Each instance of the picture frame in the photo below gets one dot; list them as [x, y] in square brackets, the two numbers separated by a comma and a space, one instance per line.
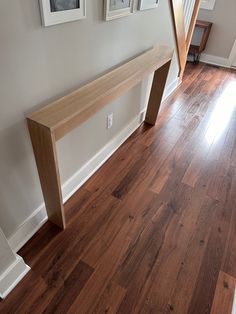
[207, 4]
[62, 11]
[148, 4]
[114, 9]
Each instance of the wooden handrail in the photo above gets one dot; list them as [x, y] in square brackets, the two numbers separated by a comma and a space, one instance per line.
[192, 23]
[55, 120]
[177, 10]
[183, 40]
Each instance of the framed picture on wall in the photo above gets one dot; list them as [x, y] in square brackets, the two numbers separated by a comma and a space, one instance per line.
[148, 4]
[117, 8]
[62, 11]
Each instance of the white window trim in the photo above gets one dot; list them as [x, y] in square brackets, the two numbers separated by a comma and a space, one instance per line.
[207, 4]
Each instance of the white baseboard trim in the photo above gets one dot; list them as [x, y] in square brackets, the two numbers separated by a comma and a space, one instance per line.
[214, 60]
[234, 303]
[12, 276]
[171, 88]
[29, 227]
[34, 222]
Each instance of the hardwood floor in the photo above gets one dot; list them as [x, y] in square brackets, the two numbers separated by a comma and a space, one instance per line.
[153, 231]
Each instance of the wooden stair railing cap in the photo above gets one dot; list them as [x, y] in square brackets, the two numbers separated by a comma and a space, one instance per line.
[52, 122]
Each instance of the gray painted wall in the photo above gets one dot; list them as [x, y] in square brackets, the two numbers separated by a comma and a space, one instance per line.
[40, 64]
[223, 33]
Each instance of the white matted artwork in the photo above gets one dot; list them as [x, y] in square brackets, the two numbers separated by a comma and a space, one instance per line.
[62, 11]
[148, 4]
[117, 8]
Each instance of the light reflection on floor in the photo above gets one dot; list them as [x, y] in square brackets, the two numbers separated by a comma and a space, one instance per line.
[222, 113]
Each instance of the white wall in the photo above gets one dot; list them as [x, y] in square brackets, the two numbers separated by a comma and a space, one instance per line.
[223, 33]
[40, 64]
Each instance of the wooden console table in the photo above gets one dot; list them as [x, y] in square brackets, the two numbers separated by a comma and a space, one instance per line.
[55, 120]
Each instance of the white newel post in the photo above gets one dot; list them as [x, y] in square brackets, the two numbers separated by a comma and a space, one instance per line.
[12, 267]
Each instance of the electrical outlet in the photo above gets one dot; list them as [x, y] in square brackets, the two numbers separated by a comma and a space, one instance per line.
[109, 121]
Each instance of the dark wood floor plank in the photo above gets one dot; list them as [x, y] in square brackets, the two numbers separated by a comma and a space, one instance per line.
[208, 139]
[173, 161]
[62, 257]
[71, 288]
[110, 299]
[224, 294]
[39, 242]
[228, 264]
[142, 255]
[105, 268]
[144, 169]
[138, 212]
[190, 265]
[177, 237]
[24, 295]
[109, 174]
[212, 260]
[150, 239]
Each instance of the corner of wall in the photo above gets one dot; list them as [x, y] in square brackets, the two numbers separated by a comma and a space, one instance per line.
[12, 276]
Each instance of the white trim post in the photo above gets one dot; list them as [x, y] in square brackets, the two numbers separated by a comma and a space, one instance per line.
[12, 267]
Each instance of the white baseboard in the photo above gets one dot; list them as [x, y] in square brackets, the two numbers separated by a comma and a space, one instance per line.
[34, 222]
[234, 303]
[12, 276]
[171, 88]
[214, 60]
[26, 230]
